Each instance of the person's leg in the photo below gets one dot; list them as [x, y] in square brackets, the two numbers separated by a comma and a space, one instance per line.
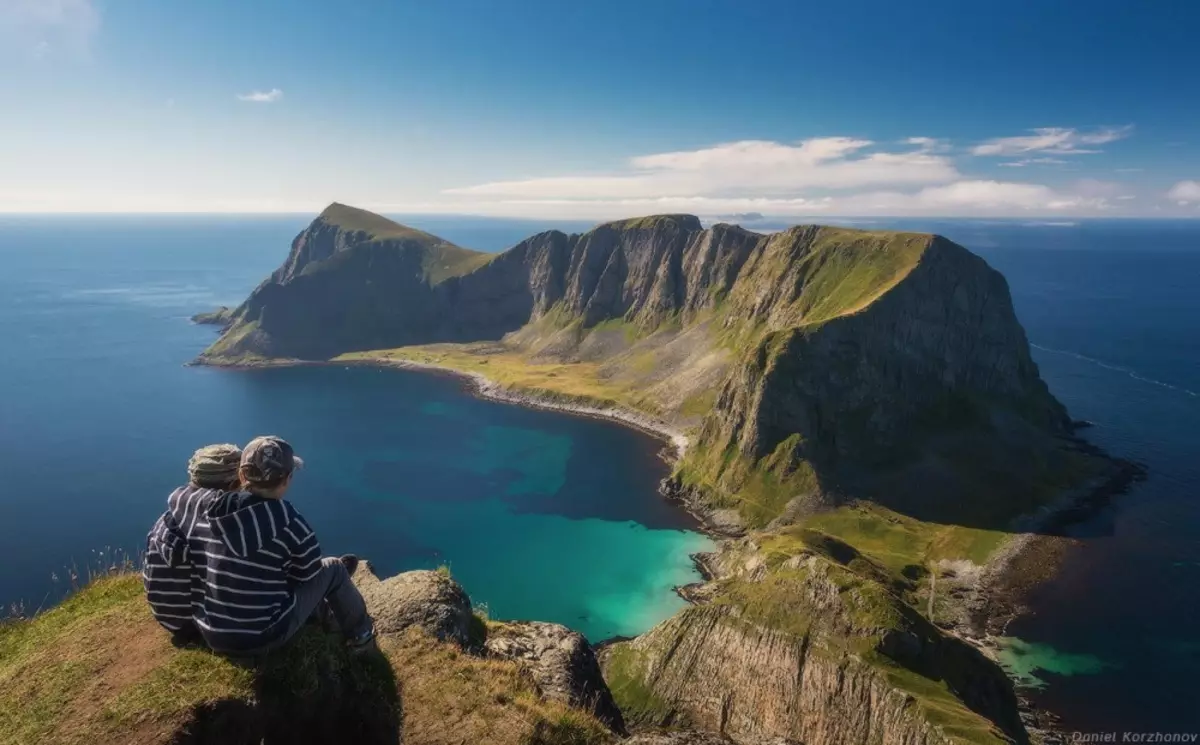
[331, 583]
[345, 601]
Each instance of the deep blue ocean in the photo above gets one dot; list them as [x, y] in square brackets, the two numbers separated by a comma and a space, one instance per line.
[543, 515]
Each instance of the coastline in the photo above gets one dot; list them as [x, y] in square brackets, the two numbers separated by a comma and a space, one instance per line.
[1035, 536]
[1025, 559]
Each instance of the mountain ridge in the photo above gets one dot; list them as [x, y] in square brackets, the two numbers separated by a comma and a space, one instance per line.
[872, 390]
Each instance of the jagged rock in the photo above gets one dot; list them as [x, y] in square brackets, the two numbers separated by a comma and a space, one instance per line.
[561, 663]
[428, 600]
[222, 316]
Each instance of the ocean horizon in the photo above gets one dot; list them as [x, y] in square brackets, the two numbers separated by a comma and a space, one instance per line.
[526, 507]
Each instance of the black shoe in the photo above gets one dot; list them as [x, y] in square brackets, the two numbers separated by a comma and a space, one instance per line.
[350, 561]
[364, 642]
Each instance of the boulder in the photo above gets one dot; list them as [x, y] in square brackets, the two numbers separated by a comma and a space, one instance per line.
[561, 664]
[429, 600]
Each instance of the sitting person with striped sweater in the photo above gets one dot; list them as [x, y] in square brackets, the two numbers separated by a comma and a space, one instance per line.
[243, 566]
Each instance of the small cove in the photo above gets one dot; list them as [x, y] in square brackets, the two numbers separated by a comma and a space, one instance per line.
[541, 515]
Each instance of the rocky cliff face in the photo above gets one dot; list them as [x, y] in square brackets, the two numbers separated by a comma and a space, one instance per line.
[804, 650]
[356, 281]
[813, 367]
[860, 382]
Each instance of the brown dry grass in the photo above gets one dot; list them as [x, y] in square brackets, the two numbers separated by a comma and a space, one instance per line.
[97, 669]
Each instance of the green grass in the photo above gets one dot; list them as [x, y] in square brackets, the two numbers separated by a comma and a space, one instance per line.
[97, 670]
[760, 490]
[839, 271]
[939, 705]
[629, 331]
[780, 601]
[637, 702]
[897, 541]
[653, 222]
[699, 404]
[848, 269]
[440, 259]
[576, 382]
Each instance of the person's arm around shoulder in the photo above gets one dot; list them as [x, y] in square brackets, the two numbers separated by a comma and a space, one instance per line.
[304, 559]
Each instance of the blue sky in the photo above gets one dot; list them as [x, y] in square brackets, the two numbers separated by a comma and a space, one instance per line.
[596, 110]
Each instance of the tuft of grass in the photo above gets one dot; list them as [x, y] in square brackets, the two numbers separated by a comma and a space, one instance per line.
[636, 700]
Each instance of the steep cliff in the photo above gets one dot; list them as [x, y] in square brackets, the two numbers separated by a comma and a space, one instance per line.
[354, 280]
[863, 403]
[817, 365]
[798, 646]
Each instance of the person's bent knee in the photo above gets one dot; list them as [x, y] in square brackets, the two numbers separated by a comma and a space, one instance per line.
[336, 570]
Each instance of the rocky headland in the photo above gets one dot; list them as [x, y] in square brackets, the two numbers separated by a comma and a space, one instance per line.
[856, 414]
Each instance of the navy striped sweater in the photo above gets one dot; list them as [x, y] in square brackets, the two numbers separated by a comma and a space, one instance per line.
[227, 562]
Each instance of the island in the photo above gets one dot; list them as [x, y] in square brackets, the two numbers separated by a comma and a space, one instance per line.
[855, 415]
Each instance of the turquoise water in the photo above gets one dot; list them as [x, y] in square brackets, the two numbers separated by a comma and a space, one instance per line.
[1031, 663]
[540, 515]
[548, 516]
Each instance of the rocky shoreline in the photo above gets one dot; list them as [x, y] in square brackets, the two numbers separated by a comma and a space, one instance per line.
[1028, 558]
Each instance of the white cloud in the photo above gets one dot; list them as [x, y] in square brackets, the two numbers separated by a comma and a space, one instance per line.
[270, 96]
[963, 197]
[921, 141]
[830, 176]
[42, 28]
[737, 169]
[928, 144]
[1033, 162]
[1185, 192]
[1055, 140]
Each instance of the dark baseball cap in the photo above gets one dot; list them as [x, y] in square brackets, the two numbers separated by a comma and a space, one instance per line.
[268, 458]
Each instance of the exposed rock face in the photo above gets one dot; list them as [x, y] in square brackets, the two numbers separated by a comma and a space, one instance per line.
[220, 317]
[420, 598]
[562, 665]
[846, 354]
[355, 281]
[815, 366]
[853, 393]
[809, 653]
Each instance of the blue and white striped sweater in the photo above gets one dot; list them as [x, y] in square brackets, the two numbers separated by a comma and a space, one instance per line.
[227, 562]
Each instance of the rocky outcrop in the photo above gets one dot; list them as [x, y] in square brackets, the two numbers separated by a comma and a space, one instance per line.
[561, 663]
[810, 652]
[222, 316]
[425, 599]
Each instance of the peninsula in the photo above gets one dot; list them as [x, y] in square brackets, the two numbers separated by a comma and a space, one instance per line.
[857, 413]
